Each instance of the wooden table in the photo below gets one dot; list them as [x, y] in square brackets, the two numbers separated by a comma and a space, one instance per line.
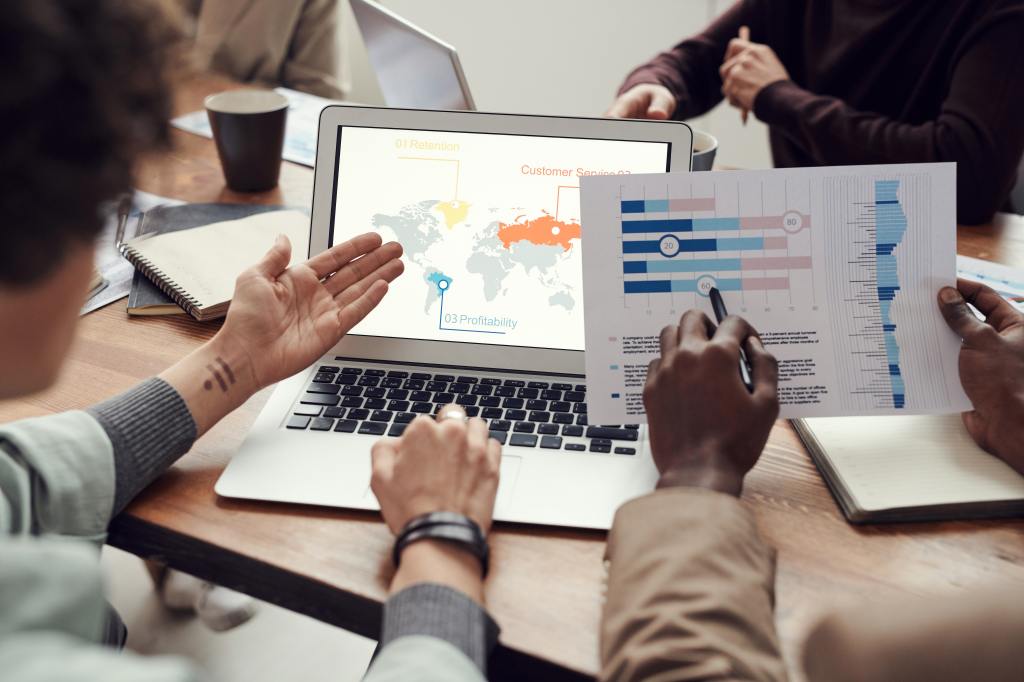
[545, 583]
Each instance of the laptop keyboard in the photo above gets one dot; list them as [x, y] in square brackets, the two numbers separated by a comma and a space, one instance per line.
[519, 413]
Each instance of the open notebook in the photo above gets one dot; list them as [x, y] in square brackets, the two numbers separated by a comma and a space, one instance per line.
[198, 267]
[920, 468]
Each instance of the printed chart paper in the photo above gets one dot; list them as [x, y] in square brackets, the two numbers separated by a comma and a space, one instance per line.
[838, 269]
[1007, 281]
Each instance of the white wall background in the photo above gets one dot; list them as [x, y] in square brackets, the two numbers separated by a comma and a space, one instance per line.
[561, 56]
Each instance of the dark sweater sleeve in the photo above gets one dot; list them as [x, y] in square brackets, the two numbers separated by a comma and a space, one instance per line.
[150, 427]
[690, 69]
[980, 126]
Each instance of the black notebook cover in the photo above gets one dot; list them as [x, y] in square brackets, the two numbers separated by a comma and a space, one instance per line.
[145, 298]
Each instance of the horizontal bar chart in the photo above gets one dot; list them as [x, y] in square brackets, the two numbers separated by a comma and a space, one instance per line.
[667, 205]
[691, 286]
[700, 245]
[638, 267]
[790, 223]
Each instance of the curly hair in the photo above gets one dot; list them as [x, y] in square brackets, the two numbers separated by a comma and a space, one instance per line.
[86, 92]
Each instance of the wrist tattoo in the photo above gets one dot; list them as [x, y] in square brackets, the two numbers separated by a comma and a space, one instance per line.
[222, 374]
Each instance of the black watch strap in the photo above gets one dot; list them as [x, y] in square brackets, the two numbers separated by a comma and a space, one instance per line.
[447, 526]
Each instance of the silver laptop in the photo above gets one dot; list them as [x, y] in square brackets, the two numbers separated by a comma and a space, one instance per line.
[488, 313]
[414, 69]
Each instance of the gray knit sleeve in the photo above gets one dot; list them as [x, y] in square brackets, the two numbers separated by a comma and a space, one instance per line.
[438, 611]
[150, 427]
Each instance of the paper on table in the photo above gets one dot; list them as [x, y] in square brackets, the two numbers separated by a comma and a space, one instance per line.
[837, 267]
[116, 271]
[300, 129]
[1004, 279]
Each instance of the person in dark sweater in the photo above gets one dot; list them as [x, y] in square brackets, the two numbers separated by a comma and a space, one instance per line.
[860, 81]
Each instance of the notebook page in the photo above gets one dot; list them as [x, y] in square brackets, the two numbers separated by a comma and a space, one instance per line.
[892, 462]
[206, 261]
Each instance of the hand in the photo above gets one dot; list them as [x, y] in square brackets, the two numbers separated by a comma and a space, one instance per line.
[282, 319]
[450, 465]
[991, 367]
[647, 100]
[747, 69]
[705, 428]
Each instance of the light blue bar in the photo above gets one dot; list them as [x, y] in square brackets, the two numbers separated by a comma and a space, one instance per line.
[709, 224]
[689, 286]
[656, 205]
[740, 244]
[695, 265]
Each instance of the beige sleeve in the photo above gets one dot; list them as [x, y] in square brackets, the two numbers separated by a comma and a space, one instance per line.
[690, 592]
[967, 637]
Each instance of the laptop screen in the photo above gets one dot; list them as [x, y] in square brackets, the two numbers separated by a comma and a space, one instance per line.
[490, 224]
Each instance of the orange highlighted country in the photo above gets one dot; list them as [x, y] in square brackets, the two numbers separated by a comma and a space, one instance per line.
[543, 231]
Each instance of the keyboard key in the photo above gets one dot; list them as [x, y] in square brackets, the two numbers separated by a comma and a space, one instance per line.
[397, 394]
[625, 451]
[373, 392]
[574, 431]
[559, 406]
[436, 385]
[467, 380]
[327, 389]
[500, 425]
[580, 408]
[524, 427]
[537, 405]
[562, 418]
[523, 440]
[375, 403]
[414, 384]
[419, 376]
[373, 429]
[329, 369]
[596, 446]
[490, 381]
[396, 430]
[562, 387]
[390, 382]
[312, 410]
[550, 395]
[513, 403]
[515, 383]
[609, 433]
[551, 442]
[334, 412]
[298, 422]
[504, 391]
[352, 390]
[346, 379]
[346, 425]
[381, 416]
[458, 388]
[580, 387]
[472, 411]
[538, 384]
[491, 413]
[581, 419]
[444, 377]
[351, 370]
[323, 378]
[398, 405]
[351, 401]
[368, 381]
[419, 396]
[358, 413]
[527, 393]
[422, 408]
[500, 436]
[540, 417]
[319, 399]
[515, 415]
[444, 398]
[397, 374]
[374, 373]
[633, 427]
[548, 429]
[466, 400]
[482, 389]
[490, 401]
[575, 447]
[574, 396]
[321, 424]
[404, 417]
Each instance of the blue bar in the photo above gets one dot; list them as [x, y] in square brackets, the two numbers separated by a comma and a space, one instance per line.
[679, 286]
[634, 267]
[656, 287]
[695, 265]
[707, 224]
[637, 226]
[633, 206]
[640, 247]
[740, 244]
[695, 245]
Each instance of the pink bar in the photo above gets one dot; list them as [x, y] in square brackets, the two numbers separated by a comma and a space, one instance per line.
[696, 204]
[770, 222]
[775, 243]
[780, 263]
[765, 283]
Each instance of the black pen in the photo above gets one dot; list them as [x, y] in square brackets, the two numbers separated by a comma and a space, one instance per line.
[718, 305]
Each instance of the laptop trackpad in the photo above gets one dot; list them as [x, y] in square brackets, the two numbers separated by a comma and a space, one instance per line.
[506, 484]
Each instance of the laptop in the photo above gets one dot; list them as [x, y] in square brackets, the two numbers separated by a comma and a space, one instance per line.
[414, 68]
[488, 313]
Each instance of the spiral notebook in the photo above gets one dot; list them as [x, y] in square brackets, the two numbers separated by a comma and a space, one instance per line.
[913, 468]
[197, 268]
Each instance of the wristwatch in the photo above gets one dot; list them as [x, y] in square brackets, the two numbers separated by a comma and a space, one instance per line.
[450, 527]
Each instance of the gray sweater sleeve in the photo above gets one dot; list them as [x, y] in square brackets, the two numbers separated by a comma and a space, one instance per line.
[149, 427]
[437, 611]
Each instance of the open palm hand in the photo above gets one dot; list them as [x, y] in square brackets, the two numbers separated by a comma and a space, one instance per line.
[284, 318]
